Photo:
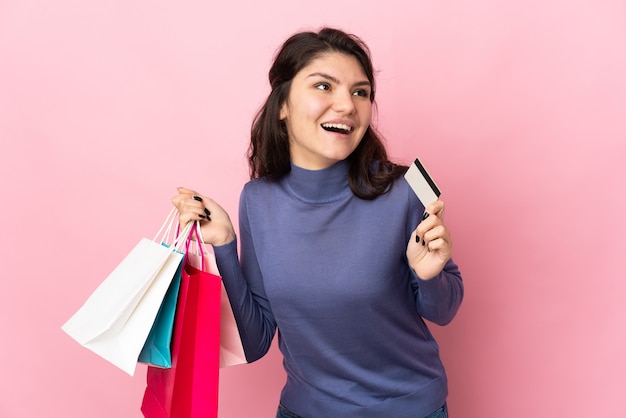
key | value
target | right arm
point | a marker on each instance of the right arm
(243, 280)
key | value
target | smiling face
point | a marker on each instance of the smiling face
(327, 112)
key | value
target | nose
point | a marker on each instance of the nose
(344, 102)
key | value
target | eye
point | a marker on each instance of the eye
(322, 86)
(361, 93)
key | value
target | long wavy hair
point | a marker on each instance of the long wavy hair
(371, 173)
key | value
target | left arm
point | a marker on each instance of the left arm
(437, 281)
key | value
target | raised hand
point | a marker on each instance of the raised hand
(430, 246)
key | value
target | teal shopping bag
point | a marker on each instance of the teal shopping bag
(157, 350)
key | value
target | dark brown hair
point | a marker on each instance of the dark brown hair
(371, 173)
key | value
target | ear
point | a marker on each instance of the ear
(283, 111)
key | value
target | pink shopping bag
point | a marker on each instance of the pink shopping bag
(231, 348)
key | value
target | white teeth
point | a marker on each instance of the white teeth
(340, 126)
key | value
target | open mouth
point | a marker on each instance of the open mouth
(337, 127)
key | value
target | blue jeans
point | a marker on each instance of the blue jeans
(285, 413)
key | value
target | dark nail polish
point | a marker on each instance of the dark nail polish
(423, 242)
(198, 198)
(417, 238)
(426, 215)
(206, 212)
(202, 216)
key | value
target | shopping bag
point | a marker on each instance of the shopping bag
(231, 348)
(117, 317)
(157, 348)
(189, 389)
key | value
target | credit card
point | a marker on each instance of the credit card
(422, 183)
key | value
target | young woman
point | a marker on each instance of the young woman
(337, 252)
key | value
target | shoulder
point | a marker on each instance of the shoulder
(401, 190)
(258, 186)
(257, 191)
(399, 200)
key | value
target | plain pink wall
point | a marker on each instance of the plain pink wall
(517, 108)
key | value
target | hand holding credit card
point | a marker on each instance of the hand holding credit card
(422, 184)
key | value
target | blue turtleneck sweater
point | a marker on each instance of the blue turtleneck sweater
(330, 271)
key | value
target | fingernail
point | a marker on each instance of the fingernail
(198, 198)
(426, 215)
(202, 216)
(423, 242)
(206, 212)
(417, 238)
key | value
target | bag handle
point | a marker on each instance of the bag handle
(197, 231)
(167, 225)
(181, 237)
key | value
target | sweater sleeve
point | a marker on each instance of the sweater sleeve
(439, 298)
(244, 284)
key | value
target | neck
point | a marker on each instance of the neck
(319, 186)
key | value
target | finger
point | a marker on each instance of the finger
(191, 208)
(441, 245)
(438, 233)
(435, 233)
(416, 237)
(428, 224)
(183, 194)
(183, 201)
(184, 190)
(435, 208)
(415, 247)
(185, 217)
(193, 215)
(197, 206)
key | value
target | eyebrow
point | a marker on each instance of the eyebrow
(336, 80)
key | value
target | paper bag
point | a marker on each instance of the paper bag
(116, 319)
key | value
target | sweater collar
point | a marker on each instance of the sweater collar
(319, 186)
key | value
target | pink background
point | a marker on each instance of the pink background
(517, 108)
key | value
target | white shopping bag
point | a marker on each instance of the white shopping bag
(116, 319)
